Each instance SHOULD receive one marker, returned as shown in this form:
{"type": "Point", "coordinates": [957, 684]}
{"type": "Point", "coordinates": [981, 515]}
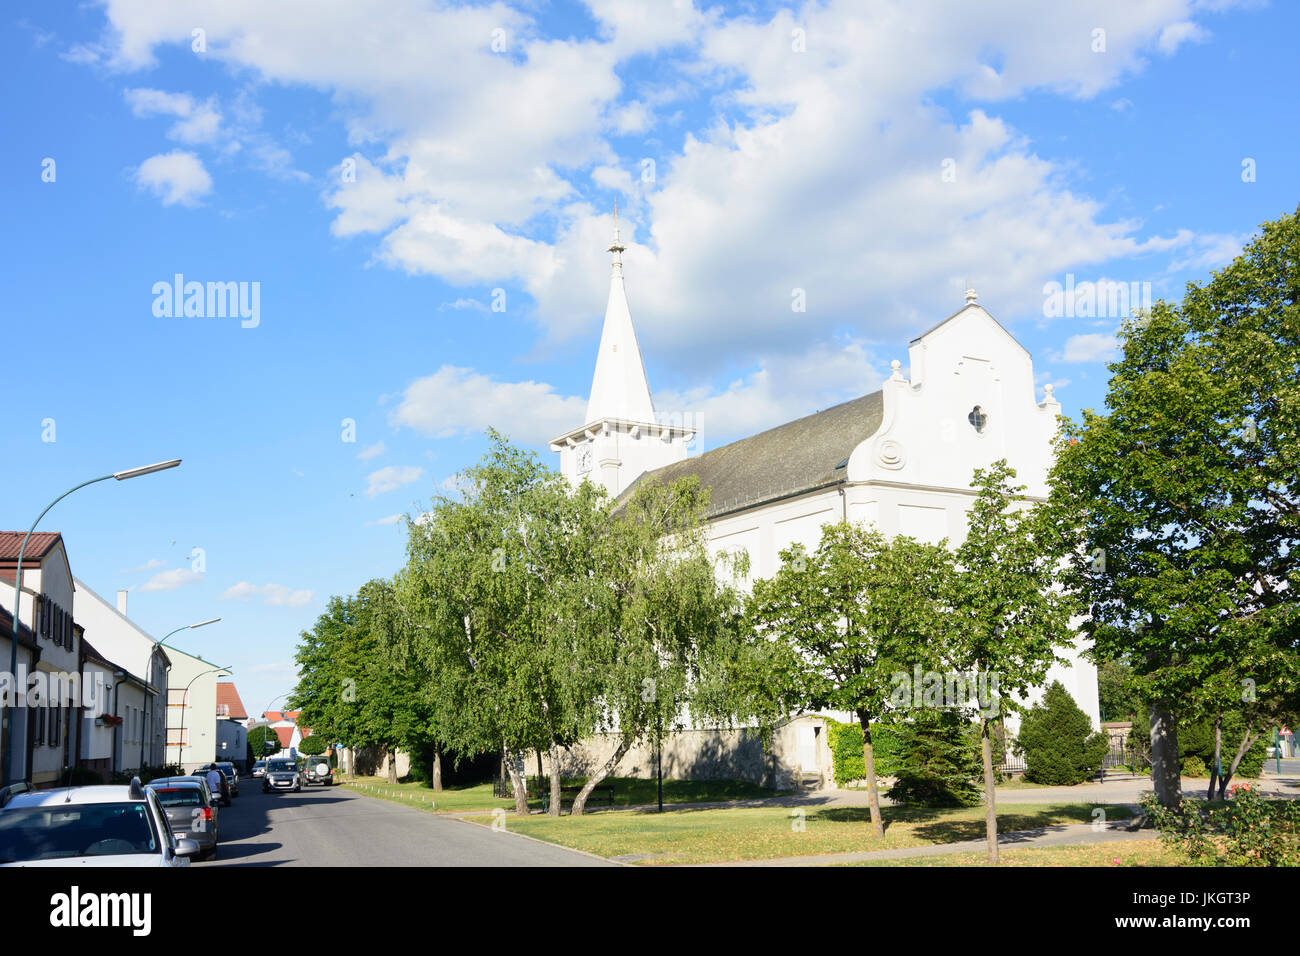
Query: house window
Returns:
{"type": "Point", "coordinates": [978, 419]}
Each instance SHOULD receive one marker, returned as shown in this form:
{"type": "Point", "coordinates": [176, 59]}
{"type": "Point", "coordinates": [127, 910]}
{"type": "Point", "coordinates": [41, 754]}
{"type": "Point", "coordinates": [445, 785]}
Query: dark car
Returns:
{"type": "Point", "coordinates": [320, 771]}
{"type": "Point", "coordinates": [282, 774]}
{"type": "Point", "coordinates": [223, 794]}
{"type": "Point", "coordinates": [232, 775]}
{"type": "Point", "coordinates": [190, 810]}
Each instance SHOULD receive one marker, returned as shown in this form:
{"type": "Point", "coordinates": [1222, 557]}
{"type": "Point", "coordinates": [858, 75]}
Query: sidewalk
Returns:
{"type": "Point", "coordinates": [1065, 834]}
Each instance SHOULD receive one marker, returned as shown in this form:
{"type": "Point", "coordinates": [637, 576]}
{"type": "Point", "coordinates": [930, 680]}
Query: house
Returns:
{"type": "Point", "coordinates": [232, 735]}
{"type": "Point", "coordinates": [900, 458]}
{"type": "Point", "coordinates": [42, 732]}
{"type": "Point", "coordinates": [192, 733]}
{"type": "Point", "coordinates": [141, 698]}
{"type": "Point", "coordinates": [285, 725]}
{"type": "Point", "coordinates": [113, 732]}
{"type": "Point", "coordinates": [13, 710]}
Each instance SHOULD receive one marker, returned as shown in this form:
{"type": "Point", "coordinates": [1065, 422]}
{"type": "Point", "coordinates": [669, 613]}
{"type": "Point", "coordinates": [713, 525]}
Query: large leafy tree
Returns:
{"type": "Point", "coordinates": [1185, 496]}
{"type": "Point", "coordinates": [1009, 614]}
{"type": "Point", "coordinates": [668, 619]}
{"type": "Point", "coordinates": [352, 688]}
{"type": "Point", "coordinates": [844, 620]}
{"type": "Point", "coordinates": [545, 616]}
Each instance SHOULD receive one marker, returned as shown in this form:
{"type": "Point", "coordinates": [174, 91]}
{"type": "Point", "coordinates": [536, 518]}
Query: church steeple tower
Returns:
{"type": "Point", "coordinates": [619, 388]}
{"type": "Point", "coordinates": [623, 436]}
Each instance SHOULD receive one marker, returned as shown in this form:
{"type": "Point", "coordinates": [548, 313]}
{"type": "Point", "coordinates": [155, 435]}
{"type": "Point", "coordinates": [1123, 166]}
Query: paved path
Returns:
{"type": "Point", "coordinates": [1066, 834]}
{"type": "Point", "coordinates": [331, 826]}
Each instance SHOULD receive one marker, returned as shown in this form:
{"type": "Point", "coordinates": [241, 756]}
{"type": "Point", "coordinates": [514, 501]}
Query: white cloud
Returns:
{"type": "Point", "coordinates": [391, 478]}
{"type": "Point", "coordinates": [1089, 347]}
{"type": "Point", "coordinates": [1176, 34]}
{"type": "Point", "coordinates": [147, 566]}
{"type": "Point", "coordinates": [171, 580]}
{"type": "Point", "coordinates": [276, 595]}
{"type": "Point", "coordinates": [818, 170]}
{"type": "Point", "coordinates": [371, 451]}
{"type": "Point", "coordinates": [781, 388]}
{"type": "Point", "coordinates": [175, 177]}
{"type": "Point", "coordinates": [390, 519]}
{"type": "Point", "coordinates": [454, 401]}
{"type": "Point", "coordinates": [196, 122]}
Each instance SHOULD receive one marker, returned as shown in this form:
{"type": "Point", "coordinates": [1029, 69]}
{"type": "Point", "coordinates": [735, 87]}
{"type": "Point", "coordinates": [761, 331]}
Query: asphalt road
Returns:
{"type": "Point", "coordinates": [331, 826]}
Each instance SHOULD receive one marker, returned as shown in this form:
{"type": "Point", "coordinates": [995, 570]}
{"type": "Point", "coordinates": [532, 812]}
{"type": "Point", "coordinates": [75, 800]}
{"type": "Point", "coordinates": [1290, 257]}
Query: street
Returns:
{"type": "Point", "coordinates": [331, 826]}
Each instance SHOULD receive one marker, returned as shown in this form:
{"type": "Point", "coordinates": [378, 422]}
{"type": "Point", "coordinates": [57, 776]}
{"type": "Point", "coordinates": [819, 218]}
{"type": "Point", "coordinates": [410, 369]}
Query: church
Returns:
{"type": "Point", "coordinates": [900, 458]}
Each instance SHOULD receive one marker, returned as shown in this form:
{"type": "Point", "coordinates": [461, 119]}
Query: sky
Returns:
{"type": "Point", "coordinates": [415, 199]}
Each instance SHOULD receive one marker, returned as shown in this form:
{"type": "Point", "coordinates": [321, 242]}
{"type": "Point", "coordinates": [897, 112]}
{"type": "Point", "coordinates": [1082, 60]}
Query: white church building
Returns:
{"type": "Point", "coordinates": [901, 458]}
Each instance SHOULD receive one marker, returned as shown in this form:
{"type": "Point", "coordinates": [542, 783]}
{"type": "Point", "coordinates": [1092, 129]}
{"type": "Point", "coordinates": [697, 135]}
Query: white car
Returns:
{"type": "Point", "coordinates": [88, 826]}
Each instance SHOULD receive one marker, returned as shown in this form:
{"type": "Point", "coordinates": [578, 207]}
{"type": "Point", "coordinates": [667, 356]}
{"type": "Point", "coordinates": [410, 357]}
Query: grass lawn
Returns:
{"type": "Point", "coordinates": [1128, 853]}
{"type": "Point", "coordinates": [628, 792]}
{"type": "Point", "coordinates": [716, 836]}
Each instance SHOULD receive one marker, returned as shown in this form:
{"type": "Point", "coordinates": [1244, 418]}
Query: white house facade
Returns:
{"type": "Point", "coordinates": [140, 700]}
{"type": "Point", "coordinates": [901, 458]}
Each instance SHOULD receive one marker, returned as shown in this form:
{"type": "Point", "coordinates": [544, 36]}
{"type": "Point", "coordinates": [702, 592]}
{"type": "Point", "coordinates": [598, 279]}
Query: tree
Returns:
{"type": "Point", "coordinates": [1009, 614]}
{"type": "Point", "coordinates": [353, 687]}
{"type": "Point", "coordinates": [939, 760]}
{"type": "Point", "coordinates": [670, 619]}
{"type": "Point", "coordinates": [313, 746]}
{"type": "Point", "coordinates": [478, 606]}
{"type": "Point", "coordinates": [545, 617]}
{"type": "Point", "coordinates": [1117, 693]}
{"type": "Point", "coordinates": [259, 737]}
{"type": "Point", "coordinates": [1058, 742]}
{"type": "Point", "coordinates": [1186, 497]}
{"type": "Point", "coordinates": [846, 620]}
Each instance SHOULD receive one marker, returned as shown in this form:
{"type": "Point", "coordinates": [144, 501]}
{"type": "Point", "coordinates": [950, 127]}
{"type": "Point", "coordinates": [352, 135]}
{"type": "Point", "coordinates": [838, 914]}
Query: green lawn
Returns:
{"type": "Point", "coordinates": [1129, 853]}
{"type": "Point", "coordinates": [628, 792]}
{"type": "Point", "coordinates": [721, 835]}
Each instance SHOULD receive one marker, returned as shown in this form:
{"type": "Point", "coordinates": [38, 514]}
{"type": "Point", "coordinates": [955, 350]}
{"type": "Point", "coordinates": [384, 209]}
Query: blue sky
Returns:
{"type": "Point", "coordinates": [380, 171]}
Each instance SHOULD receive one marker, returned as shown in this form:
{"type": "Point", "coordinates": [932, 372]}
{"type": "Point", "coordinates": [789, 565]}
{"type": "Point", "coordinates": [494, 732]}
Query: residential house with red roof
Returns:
{"type": "Point", "coordinates": [42, 733]}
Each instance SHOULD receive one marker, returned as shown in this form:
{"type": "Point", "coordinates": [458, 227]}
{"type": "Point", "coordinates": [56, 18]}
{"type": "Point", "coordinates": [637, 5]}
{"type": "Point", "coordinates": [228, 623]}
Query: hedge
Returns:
{"type": "Point", "coordinates": [845, 742]}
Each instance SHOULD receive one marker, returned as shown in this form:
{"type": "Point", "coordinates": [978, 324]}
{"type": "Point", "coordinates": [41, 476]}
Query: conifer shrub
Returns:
{"type": "Point", "coordinates": [1057, 740]}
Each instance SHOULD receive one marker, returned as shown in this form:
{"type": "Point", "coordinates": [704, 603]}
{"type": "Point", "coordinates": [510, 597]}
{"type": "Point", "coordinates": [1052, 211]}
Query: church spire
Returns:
{"type": "Point", "coordinates": [619, 388]}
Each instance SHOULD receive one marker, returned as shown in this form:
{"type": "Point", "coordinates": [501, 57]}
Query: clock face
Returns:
{"type": "Point", "coordinates": [584, 459]}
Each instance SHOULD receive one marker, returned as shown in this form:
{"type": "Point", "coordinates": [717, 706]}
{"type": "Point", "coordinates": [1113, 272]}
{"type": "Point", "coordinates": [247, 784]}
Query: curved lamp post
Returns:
{"type": "Point", "coordinates": [265, 711]}
{"type": "Point", "coordinates": [186, 627]}
{"type": "Point", "coordinates": [185, 703]}
{"type": "Point", "coordinates": [18, 581]}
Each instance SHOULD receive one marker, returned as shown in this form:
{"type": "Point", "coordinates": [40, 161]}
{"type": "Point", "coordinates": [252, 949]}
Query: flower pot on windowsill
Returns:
{"type": "Point", "coordinates": [108, 720]}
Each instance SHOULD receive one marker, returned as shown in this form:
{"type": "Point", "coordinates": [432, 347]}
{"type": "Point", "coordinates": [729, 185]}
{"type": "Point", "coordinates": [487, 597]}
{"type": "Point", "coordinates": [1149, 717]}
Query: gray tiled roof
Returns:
{"type": "Point", "coordinates": [795, 457]}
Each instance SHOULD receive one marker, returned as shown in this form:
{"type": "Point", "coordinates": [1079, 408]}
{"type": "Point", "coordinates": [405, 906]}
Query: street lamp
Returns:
{"type": "Point", "coordinates": [180, 743]}
{"type": "Point", "coordinates": [18, 579]}
{"type": "Point", "coordinates": [160, 644]}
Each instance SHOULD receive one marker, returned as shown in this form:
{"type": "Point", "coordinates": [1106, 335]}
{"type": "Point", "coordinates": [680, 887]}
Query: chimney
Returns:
{"type": "Point", "coordinates": [121, 603]}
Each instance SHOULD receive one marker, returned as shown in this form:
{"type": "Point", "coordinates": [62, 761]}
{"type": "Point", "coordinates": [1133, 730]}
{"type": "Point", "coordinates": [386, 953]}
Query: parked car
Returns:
{"type": "Point", "coordinates": [259, 768]}
{"type": "Point", "coordinates": [190, 810]}
{"type": "Point", "coordinates": [88, 826]}
{"type": "Point", "coordinates": [224, 795]}
{"type": "Point", "coordinates": [320, 771]}
{"type": "Point", "coordinates": [232, 774]}
{"type": "Point", "coordinates": [282, 774]}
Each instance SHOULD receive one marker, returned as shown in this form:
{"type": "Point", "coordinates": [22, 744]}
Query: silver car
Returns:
{"type": "Point", "coordinates": [190, 810]}
{"type": "Point", "coordinates": [88, 826]}
{"type": "Point", "coordinates": [282, 774]}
